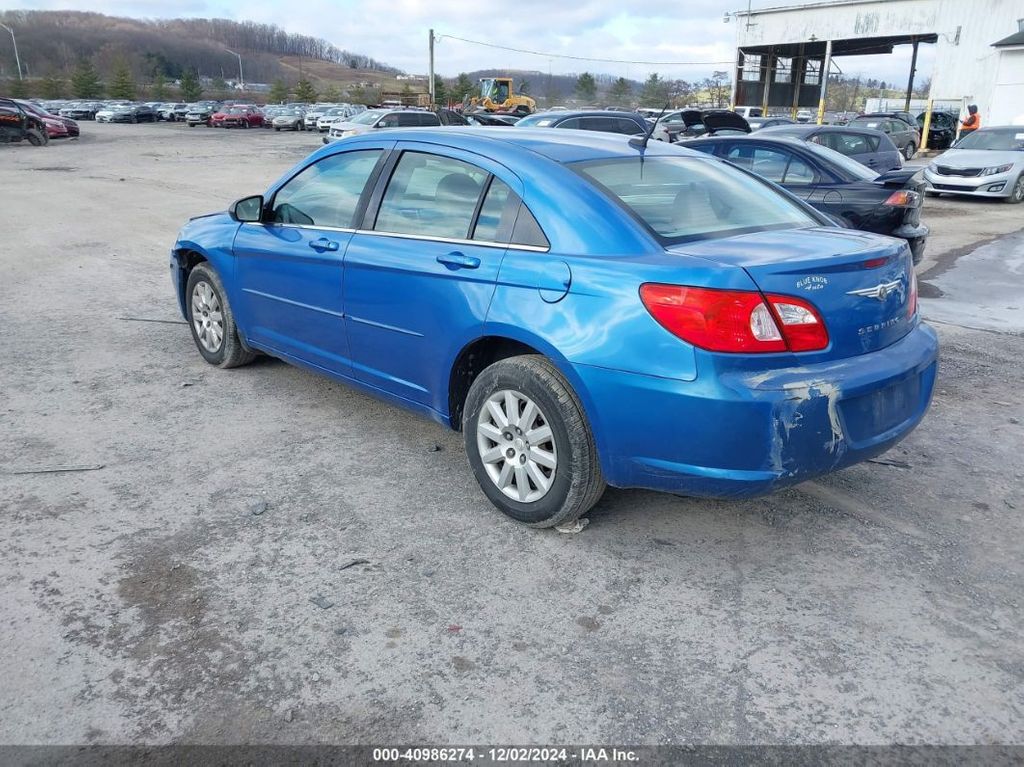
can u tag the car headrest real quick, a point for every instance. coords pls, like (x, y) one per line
(459, 186)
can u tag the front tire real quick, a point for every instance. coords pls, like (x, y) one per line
(1017, 193)
(909, 151)
(35, 138)
(529, 444)
(211, 320)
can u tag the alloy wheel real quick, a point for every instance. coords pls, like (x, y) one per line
(1018, 189)
(207, 317)
(516, 446)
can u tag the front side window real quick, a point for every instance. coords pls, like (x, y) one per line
(431, 195)
(326, 193)
(685, 198)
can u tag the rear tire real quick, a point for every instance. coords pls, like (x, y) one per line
(1017, 193)
(211, 320)
(553, 475)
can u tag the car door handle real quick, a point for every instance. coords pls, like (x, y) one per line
(459, 261)
(323, 244)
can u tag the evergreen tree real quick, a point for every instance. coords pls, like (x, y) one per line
(305, 92)
(621, 91)
(586, 88)
(53, 88)
(463, 87)
(122, 85)
(440, 91)
(278, 92)
(331, 94)
(191, 89)
(655, 92)
(159, 86)
(85, 83)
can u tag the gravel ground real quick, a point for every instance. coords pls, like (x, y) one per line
(262, 555)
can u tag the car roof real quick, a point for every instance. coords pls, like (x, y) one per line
(590, 113)
(799, 129)
(558, 145)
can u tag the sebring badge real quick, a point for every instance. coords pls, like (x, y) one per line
(881, 291)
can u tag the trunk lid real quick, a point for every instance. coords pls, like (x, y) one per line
(859, 282)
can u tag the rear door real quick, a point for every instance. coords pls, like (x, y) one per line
(289, 268)
(421, 270)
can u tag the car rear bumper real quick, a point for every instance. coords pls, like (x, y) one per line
(744, 434)
(998, 185)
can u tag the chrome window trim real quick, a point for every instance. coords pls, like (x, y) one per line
(400, 235)
(455, 241)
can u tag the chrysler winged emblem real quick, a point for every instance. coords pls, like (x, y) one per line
(881, 291)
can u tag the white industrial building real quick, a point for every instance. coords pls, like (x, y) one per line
(979, 49)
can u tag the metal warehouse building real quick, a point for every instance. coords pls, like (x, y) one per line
(979, 57)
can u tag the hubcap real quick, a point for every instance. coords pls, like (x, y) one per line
(516, 446)
(207, 318)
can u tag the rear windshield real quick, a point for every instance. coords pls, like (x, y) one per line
(688, 198)
(848, 164)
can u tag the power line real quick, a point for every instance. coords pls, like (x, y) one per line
(584, 58)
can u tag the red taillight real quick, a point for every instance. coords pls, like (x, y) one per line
(802, 326)
(735, 320)
(904, 198)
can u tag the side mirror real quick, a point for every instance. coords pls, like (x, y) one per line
(248, 210)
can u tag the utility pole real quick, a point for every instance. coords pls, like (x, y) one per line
(16, 59)
(241, 79)
(430, 74)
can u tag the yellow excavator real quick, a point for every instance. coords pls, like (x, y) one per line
(498, 95)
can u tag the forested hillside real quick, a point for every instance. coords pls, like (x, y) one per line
(54, 43)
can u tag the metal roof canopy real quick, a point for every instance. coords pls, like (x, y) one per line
(856, 46)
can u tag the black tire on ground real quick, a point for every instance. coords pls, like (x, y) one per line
(35, 138)
(230, 353)
(577, 482)
(1017, 193)
(909, 151)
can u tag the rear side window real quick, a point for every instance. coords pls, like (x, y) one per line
(626, 126)
(430, 195)
(326, 193)
(684, 198)
(495, 208)
(599, 124)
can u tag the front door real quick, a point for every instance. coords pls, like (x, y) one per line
(420, 274)
(289, 268)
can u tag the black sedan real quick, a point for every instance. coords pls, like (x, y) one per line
(850, 193)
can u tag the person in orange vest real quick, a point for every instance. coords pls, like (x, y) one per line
(973, 120)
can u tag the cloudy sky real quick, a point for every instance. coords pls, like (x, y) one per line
(395, 32)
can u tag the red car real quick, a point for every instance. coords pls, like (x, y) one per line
(237, 117)
(56, 126)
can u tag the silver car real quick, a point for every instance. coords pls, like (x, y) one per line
(986, 163)
(371, 119)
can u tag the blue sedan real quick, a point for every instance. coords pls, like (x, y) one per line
(585, 308)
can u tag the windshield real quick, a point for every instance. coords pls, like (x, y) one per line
(368, 117)
(537, 121)
(994, 139)
(688, 198)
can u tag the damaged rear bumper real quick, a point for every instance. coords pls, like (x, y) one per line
(743, 434)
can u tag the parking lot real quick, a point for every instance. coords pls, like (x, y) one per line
(262, 555)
